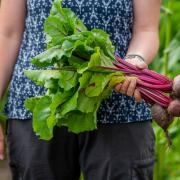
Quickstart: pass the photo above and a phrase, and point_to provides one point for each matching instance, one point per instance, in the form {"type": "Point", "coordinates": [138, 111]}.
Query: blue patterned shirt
{"type": "Point", "coordinates": [113, 16]}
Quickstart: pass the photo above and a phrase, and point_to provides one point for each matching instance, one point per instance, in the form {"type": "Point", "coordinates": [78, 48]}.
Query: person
{"type": "Point", "coordinates": [122, 147]}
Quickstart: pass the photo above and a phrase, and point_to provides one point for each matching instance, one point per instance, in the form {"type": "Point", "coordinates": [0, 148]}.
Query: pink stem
{"type": "Point", "coordinates": [157, 76]}
{"type": "Point", "coordinates": [122, 67]}
{"type": "Point", "coordinates": [148, 72]}
{"type": "Point", "coordinates": [156, 96]}
{"type": "Point", "coordinates": [164, 87]}
{"type": "Point", "coordinates": [148, 79]}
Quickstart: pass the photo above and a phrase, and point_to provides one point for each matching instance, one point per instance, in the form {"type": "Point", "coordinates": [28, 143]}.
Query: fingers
{"type": "Point", "coordinates": [125, 86]}
{"type": "Point", "coordinates": [118, 87]}
{"type": "Point", "coordinates": [137, 95]}
{"type": "Point", "coordinates": [1, 143]}
{"type": "Point", "coordinates": [131, 88]}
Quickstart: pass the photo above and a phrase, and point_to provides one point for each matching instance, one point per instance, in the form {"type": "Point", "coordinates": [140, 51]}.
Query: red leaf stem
{"type": "Point", "coordinates": [148, 79]}
{"type": "Point", "coordinates": [147, 99]}
{"type": "Point", "coordinates": [148, 72]}
{"type": "Point", "coordinates": [124, 68]}
{"type": "Point", "coordinates": [156, 96]}
{"type": "Point", "coordinates": [157, 76]}
{"type": "Point", "coordinates": [163, 87]}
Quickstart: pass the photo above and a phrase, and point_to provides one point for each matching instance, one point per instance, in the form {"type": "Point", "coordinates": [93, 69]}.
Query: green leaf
{"type": "Point", "coordinates": [80, 27]}
{"type": "Point", "coordinates": [86, 104]}
{"type": "Point", "coordinates": [83, 67]}
{"type": "Point", "coordinates": [41, 113]}
{"type": "Point", "coordinates": [105, 60]}
{"type": "Point", "coordinates": [47, 57]}
{"type": "Point", "coordinates": [68, 79]}
{"type": "Point", "coordinates": [51, 56]}
{"type": "Point", "coordinates": [55, 29]}
{"type": "Point", "coordinates": [94, 61]}
{"type": "Point", "coordinates": [69, 105]}
{"type": "Point", "coordinates": [77, 62]}
{"type": "Point", "coordinates": [30, 103]}
{"type": "Point", "coordinates": [56, 7]}
{"type": "Point", "coordinates": [66, 18]}
{"type": "Point", "coordinates": [78, 122]}
{"type": "Point", "coordinates": [58, 99]}
{"type": "Point", "coordinates": [103, 41]}
{"type": "Point", "coordinates": [52, 84]}
{"type": "Point", "coordinates": [83, 49]}
{"type": "Point", "coordinates": [41, 76]}
{"type": "Point", "coordinates": [65, 15]}
{"type": "Point", "coordinates": [51, 121]}
{"type": "Point", "coordinates": [97, 84]}
{"type": "Point", "coordinates": [85, 78]}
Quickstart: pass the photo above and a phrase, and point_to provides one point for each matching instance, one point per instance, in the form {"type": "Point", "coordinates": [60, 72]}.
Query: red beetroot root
{"type": "Point", "coordinates": [176, 86]}
{"type": "Point", "coordinates": [161, 116]}
{"type": "Point", "coordinates": [174, 108]}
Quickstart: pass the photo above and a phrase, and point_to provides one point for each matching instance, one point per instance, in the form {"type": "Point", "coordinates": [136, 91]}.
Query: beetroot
{"type": "Point", "coordinates": [161, 116]}
{"type": "Point", "coordinates": [174, 108]}
{"type": "Point", "coordinates": [176, 86]}
{"type": "Point", "coordinates": [157, 90]}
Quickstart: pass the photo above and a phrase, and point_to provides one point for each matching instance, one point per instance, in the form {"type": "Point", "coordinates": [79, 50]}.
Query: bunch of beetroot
{"type": "Point", "coordinates": [84, 73]}
{"type": "Point", "coordinates": [157, 90]}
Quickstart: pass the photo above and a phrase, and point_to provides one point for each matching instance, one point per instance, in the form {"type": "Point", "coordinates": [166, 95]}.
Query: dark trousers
{"type": "Point", "coordinates": [113, 152]}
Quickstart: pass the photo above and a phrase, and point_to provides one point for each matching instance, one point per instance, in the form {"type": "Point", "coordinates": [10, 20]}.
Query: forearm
{"type": "Point", "coordinates": [145, 44]}
{"type": "Point", "coordinates": [12, 19]}
{"type": "Point", "coordinates": [8, 52]}
{"type": "Point", "coordinates": [145, 37]}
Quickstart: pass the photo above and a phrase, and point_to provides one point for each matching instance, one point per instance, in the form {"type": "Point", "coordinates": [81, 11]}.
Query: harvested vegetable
{"type": "Point", "coordinates": [174, 108]}
{"type": "Point", "coordinates": [163, 119]}
{"type": "Point", "coordinates": [161, 116]}
{"type": "Point", "coordinates": [85, 72]}
{"type": "Point", "coordinates": [176, 86]}
{"type": "Point", "coordinates": [75, 87]}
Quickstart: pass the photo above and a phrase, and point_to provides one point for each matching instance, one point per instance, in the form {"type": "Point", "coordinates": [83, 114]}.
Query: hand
{"type": "Point", "coordinates": [128, 87]}
{"type": "Point", "coordinates": [1, 143]}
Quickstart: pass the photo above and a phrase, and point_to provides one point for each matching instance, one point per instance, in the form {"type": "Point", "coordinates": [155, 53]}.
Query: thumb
{"type": "Point", "coordinates": [1, 143]}
{"type": "Point", "coordinates": [141, 65]}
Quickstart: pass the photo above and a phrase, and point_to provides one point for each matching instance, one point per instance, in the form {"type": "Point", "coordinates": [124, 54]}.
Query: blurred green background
{"type": "Point", "coordinates": [167, 62]}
